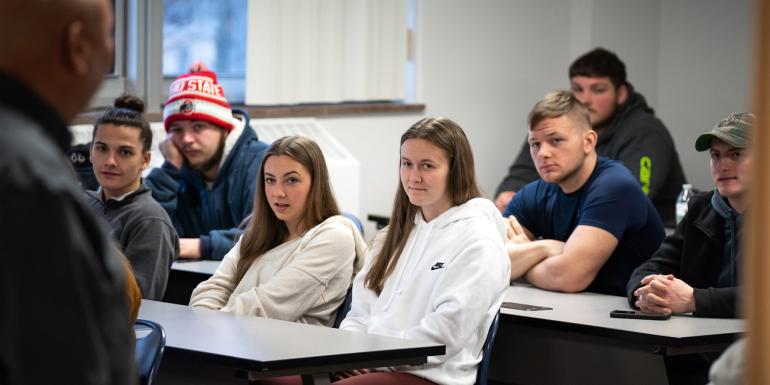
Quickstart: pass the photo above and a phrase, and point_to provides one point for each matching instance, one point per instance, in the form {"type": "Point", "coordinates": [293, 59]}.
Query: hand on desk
{"type": "Point", "coordinates": [189, 248]}
{"type": "Point", "coordinates": [665, 294]}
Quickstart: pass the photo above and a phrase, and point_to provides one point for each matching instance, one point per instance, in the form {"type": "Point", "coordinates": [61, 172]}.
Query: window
{"type": "Point", "coordinates": [358, 46]}
{"type": "Point", "coordinates": [326, 51]}
{"type": "Point", "coordinates": [213, 31]}
{"type": "Point", "coordinates": [115, 81]}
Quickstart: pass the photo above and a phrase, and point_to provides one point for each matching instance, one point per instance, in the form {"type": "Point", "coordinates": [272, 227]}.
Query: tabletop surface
{"type": "Point", "coordinates": [593, 310]}
{"type": "Point", "coordinates": [201, 267]}
{"type": "Point", "coordinates": [257, 343]}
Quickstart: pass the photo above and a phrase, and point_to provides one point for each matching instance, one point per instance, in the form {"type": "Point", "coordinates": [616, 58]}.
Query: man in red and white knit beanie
{"type": "Point", "coordinates": [208, 180]}
{"type": "Point", "coordinates": [197, 96]}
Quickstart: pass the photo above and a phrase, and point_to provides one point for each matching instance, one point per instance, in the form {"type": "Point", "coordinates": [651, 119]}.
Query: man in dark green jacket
{"type": "Point", "coordinates": [628, 132]}
{"type": "Point", "coordinates": [695, 270]}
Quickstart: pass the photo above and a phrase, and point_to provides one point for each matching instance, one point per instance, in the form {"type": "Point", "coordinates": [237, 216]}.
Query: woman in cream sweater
{"type": "Point", "coordinates": [297, 258]}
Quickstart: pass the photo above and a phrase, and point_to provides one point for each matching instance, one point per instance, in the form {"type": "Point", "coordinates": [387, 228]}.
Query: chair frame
{"type": "Point", "coordinates": [157, 353]}
{"type": "Point", "coordinates": [486, 350]}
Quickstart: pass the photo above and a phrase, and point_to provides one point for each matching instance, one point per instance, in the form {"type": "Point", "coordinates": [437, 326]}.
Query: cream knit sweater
{"type": "Point", "coordinates": [304, 280]}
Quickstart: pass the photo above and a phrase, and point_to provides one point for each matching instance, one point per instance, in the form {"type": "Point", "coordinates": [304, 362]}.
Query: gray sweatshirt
{"type": "Point", "coordinates": [144, 233]}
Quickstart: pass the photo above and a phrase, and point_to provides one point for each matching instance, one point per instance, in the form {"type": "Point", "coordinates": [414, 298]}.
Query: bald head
{"type": "Point", "coordinates": [58, 48]}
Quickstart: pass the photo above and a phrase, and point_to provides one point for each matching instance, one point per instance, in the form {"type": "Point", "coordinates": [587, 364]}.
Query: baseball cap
{"type": "Point", "coordinates": [735, 130]}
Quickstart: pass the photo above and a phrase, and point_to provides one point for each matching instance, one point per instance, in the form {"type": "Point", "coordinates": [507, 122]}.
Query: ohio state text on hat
{"type": "Point", "coordinates": [197, 96]}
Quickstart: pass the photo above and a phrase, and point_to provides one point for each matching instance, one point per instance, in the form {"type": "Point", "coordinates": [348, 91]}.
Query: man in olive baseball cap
{"type": "Point", "coordinates": [696, 269]}
{"type": "Point", "coordinates": [734, 130]}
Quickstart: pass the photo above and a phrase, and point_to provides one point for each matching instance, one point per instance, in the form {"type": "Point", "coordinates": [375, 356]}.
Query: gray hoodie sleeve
{"type": "Point", "coordinates": [151, 248]}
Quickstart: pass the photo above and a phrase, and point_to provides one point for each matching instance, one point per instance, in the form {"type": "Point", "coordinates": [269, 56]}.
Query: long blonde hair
{"type": "Point", "coordinates": [265, 231]}
{"type": "Point", "coordinates": [448, 136]}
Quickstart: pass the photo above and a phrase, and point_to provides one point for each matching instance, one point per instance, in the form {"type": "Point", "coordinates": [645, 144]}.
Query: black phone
{"type": "Point", "coordinates": [522, 306]}
{"type": "Point", "coordinates": [635, 314]}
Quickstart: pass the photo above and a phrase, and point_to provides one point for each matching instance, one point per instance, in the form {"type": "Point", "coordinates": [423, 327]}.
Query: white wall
{"type": "Point", "coordinates": [632, 30]}
{"type": "Point", "coordinates": [705, 67]}
{"type": "Point", "coordinates": [374, 141]}
{"type": "Point", "coordinates": [484, 63]}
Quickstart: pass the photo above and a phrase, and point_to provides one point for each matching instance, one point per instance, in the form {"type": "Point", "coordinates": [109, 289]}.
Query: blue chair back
{"type": "Point", "coordinates": [481, 375]}
{"type": "Point", "coordinates": [150, 342]}
{"type": "Point", "coordinates": [355, 220]}
{"type": "Point", "coordinates": [344, 308]}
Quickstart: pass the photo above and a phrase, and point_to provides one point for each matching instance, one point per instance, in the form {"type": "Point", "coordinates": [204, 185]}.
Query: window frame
{"type": "Point", "coordinates": [139, 68]}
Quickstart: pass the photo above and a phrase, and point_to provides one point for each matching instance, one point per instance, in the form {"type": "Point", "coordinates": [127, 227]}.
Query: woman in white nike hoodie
{"type": "Point", "coordinates": [439, 271]}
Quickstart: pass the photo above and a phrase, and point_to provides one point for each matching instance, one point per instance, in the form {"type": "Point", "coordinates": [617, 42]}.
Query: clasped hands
{"type": "Point", "coordinates": [664, 294]}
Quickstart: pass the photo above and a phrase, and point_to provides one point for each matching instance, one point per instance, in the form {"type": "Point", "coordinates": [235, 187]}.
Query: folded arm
{"type": "Point", "coordinates": [525, 253]}
{"type": "Point", "coordinates": [575, 268]}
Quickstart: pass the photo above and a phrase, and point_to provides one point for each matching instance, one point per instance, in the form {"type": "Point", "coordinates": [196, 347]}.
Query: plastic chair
{"type": "Point", "coordinates": [344, 308]}
{"type": "Point", "coordinates": [379, 220]}
{"type": "Point", "coordinates": [486, 358]}
{"type": "Point", "coordinates": [355, 220]}
{"type": "Point", "coordinates": [79, 157]}
{"type": "Point", "coordinates": [150, 342]}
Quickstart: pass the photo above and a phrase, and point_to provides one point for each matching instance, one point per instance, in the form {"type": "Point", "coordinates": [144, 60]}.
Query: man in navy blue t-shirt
{"type": "Point", "coordinates": [586, 224]}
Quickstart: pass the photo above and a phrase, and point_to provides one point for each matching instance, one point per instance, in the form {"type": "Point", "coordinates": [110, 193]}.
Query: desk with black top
{"type": "Point", "coordinates": [578, 343]}
{"type": "Point", "coordinates": [205, 346]}
{"type": "Point", "coordinates": [184, 277]}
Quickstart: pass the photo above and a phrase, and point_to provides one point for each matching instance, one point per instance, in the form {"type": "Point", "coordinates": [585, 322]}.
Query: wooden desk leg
{"type": "Point", "coordinates": [315, 379]}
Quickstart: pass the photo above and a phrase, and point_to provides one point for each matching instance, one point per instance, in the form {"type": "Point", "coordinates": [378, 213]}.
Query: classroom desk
{"type": "Point", "coordinates": [578, 343]}
{"type": "Point", "coordinates": [184, 277]}
{"type": "Point", "coordinates": [197, 339]}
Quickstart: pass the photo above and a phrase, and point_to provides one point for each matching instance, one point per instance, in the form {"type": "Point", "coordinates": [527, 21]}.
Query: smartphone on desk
{"type": "Point", "coordinates": [523, 306]}
{"type": "Point", "coordinates": [635, 314]}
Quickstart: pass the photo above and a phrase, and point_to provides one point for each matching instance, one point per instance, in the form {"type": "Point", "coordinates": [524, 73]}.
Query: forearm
{"type": "Point", "coordinates": [217, 243]}
{"type": "Point", "coordinates": [524, 256]}
{"type": "Point", "coordinates": [553, 274]}
{"type": "Point", "coordinates": [214, 292]}
{"type": "Point", "coordinates": [716, 302]}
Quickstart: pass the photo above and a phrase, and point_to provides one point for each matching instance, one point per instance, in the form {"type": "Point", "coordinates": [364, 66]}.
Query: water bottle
{"type": "Point", "coordinates": [681, 201]}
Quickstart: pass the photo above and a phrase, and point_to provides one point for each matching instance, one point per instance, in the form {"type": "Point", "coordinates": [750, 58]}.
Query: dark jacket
{"type": "Point", "coordinates": [62, 289]}
{"type": "Point", "coordinates": [694, 254]}
{"type": "Point", "coordinates": [145, 234]}
{"type": "Point", "coordinates": [211, 214]}
{"type": "Point", "coordinates": [637, 139]}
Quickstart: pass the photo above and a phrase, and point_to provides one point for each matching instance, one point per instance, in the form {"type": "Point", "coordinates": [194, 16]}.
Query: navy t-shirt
{"type": "Point", "coordinates": [611, 200]}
